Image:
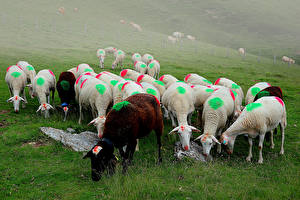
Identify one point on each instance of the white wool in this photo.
(119, 58)
(101, 56)
(136, 26)
(190, 37)
(151, 80)
(73, 70)
(153, 68)
(148, 86)
(131, 74)
(140, 67)
(241, 51)
(147, 58)
(136, 57)
(78, 84)
(107, 79)
(249, 96)
(117, 92)
(201, 93)
(288, 60)
(110, 50)
(83, 68)
(114, 76)
(178, 34)
(168, 80)
(28, 69)
(196, 79)
(130, 89)
(172, 39)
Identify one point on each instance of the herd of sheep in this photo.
(128, 106)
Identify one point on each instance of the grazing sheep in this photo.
(257, 119)
(192, 38)
(140, 115)
(79, 83)
(107, 79)
(65, 89)
(136, 26)
(178, 99)
(43, 84)
(158, 84)
(269, 91)
(136, 57)
(151, 89)
(178, 35)
(140, 67)
(288, 60)
(30, 73)
(253, 90)
(110, 50)
(129, 74)
(195, 79)
(97, 95)
(130, 88)
(168, 80)
(218, 107)
(241, 51)
(83, 68)
(61, 10)
(172, 39)
(122, 21)
(16, 81)
(153, 68)
(75, 9)
(101, 56)
(119, 57)
(114, 76)
(147, 58)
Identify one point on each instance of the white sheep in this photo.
(172, 39)
(140, 67)
(79, 83)
(129, 74)
(195, 79)
(110, 50)
(107, 79)
(83, 68)
(242, 51)
(288, 60)
(136, 26)
(114, 76)
(130, 88)
(192, 38)
(119, 57)
(136, 57)
(97, 95)
(44, 83)
(158, 84)
(178, 99)
(30, 74)
(168, 80)
(101, 56)
(253, 90)
(16, 81)
(153, 68)
(147, 58)
(151, 89)
(73, 70)
(217, 109)
(178, 35)
(122, 21)
(258, 118)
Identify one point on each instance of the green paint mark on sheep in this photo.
(234, 92)
(181, 90)
(209, 90)
(120, 86)
(40, 81)
(180, 82)
(100, 88)
(137, 92)
(119, 106)
(16, 74)
(255, 90)
(114, 82)
(235, 86)
(151, 91)
(65, 85)
(216, 103)
(263, 94)
(88, 70)
(29, 68)
(120, 52)
(151, 65)
(101, 52)
(253, 106)
(159, 83)
(207, 81)
(137, 55)
(143, 65)
(150, 57)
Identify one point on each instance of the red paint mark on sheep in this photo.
(44, 105)
(78, 79)
(182, 128)
(140, 78)
(20, 67)
(124, 85)
(232, 95)
(186, 148)
(83, 83)
(192, 86)
(157, 100)
(279, 100)
(77, 68)
(139, 84)
(51, 73)
(98, 75)
(162, 78)
(88, 73)
(123, 72)
(187, 77)
(16, 98)
(269, 84)
(208, 86)
(8, 68)
(217, 81)
(135, 63)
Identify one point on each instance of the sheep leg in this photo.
(260, 147)
(127, 159)
(53, 92)
(282, 139)
(80, 114)
(271, 139)
(250, 149)
(24, 96)
(48, 99)
(137, 145)
(158, 138)
(190, 118)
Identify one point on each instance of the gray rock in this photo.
(194, 152)
(78, 142)
(70, 130)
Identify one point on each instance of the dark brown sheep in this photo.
(269, 91)
(128, 121)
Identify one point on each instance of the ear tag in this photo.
(97, 149)
(224, 142)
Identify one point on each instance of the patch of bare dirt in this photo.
(4, 111)
(35, 144)
(3, 123)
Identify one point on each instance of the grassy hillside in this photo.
(32, 166)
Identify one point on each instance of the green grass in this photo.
(52, 171)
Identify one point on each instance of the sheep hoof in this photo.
(260, 161)
(248, 159)
(281, 152)
(272, 146)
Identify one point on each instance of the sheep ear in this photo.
(22, 99)
(29, 85)
(174, 130)
(194, 129)
(92, 122)
(198, 138)
(10, 99)
(215, 139)
(39, 108)
(51, 107)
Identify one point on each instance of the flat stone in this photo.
(70, 130)
(194, 152)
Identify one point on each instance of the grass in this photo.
(51, 171)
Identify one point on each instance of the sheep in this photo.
(79, 83)
(192, 38)
(136, 57)
(136, 26)
(30, 74)
(151, 89)
(178, 99)
(217, 109)
(61, 10)
(158, 84)
(288, 60)
(65, 89)
(107, 79)
(195, 79)
(130, 88)
(114, 76)
(122, 21)
(257, 119)
(82, 68)
(129, 74)
(117, 92)
(253, 90)
(147, 58)
(172, 39)
(269, 91)
(43, 84)
(75, 9)
(178, 35)
(234, 87)
(140, 115)
(153, 68)
(97, 95)
(168, 80)
(101, 55)
(73, 70)
(16, 81)
(119, 57)
(242, 51)
(110, 50)
(140, 67)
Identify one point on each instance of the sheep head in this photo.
(207, 142)
(45, 107)
(228, 141)
(184, 132)
(99, 123)
(16, 101)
